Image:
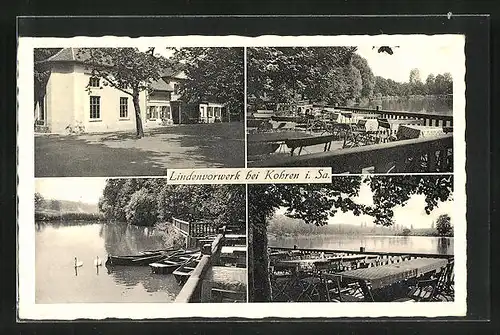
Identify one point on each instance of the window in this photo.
(176, 88)
(123, 107)
(94, 82)
(202, 111)
(165, 113)
(217, 112)
(152, 113)
(210, 111)
(95, 107)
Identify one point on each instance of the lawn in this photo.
(121, 154)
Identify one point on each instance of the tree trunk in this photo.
(260, 268)
(138, 120)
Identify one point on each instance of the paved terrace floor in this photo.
(121, 154)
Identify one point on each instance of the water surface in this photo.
(57, 281)
(410, 244)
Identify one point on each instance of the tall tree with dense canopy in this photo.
(126, 69)
(41, 75)
(213, 75)
(291, 74)
(314, 204)
(443, 225)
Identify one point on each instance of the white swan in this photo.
(78, 263)
(97, 261)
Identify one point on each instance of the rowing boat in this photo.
(141, 259)
(183, 272)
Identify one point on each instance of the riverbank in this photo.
(49, 216)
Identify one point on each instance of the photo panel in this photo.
(379, 239)
(372, 107)
(143, 108)
(138, 240)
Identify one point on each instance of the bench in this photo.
(309, 141)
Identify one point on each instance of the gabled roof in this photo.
(69, 55)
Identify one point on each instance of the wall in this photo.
(60, 98)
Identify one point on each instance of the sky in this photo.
(87, 190)
(431, 58)
(412, 213)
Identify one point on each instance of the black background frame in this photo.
(476, 30)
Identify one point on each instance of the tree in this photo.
(291, 74)
(443, 225)
(126, 69)
(406, 231)
(40, 75)
(141, 209)
(316, 203)
(39, 201)
(415, 76)
(430, 84)
(213, 74)
(368, 79)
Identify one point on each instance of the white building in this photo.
(76, 100)
(211, 112)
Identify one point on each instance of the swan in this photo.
(78, 263)
(97, 261)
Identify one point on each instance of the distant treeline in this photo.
(442, 84)
(44, 215)
(65, 210)
(281, 225)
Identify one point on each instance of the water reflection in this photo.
(56, 244)
(416, 244)
(429, 104)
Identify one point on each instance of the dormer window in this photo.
(176, 88)
(94, 82)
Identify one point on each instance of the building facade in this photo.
(75, 101)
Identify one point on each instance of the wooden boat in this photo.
(141, 259)
(183, 272)
(168, 265)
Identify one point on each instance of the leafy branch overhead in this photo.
(213, 75)
(315, 203)
(126, 69)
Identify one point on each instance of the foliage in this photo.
(443, 225)
(213, 75)
(45, 215)
(39, 201)
(406, 232)
(316, 203)
(40, 74)
(220, 204)
(441, 84)
(126, 69)
(327, 74)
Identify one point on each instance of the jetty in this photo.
(221, 273)
(326, 275)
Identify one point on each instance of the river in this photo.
(57, 281)
(415, 244)
(425, 104)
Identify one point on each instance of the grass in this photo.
(121, 154)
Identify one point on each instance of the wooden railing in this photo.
(182, 225)
(428, 119)
(191, 291)
(399, 156)
(382, 254)
(194, 229)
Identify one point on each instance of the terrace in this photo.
(352, 140)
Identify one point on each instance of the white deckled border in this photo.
(27, 309)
